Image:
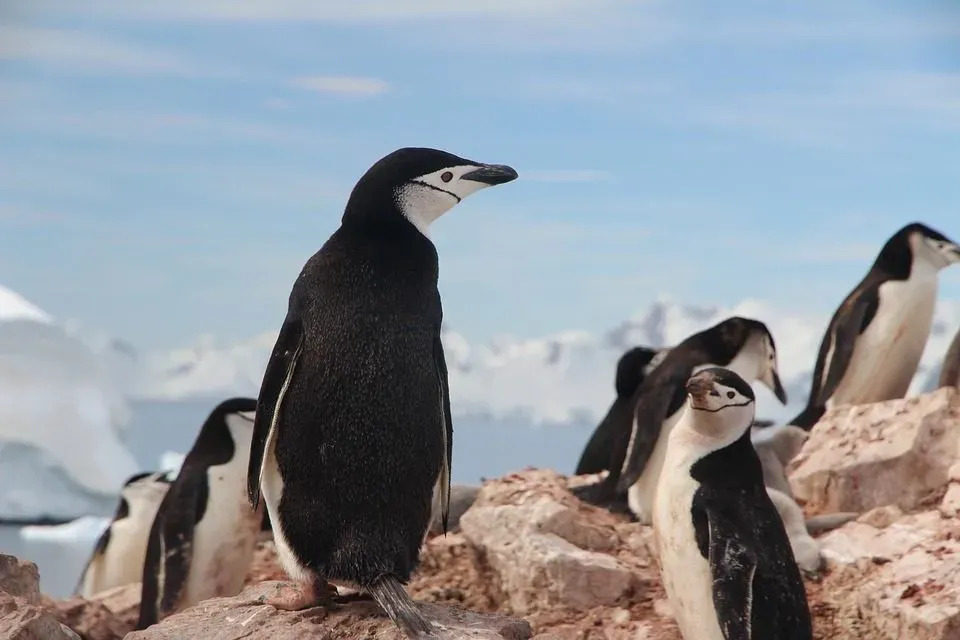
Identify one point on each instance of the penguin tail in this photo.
(396, 602)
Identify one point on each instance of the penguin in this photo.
(875, 339)
(776, 447)
(202, 539)
(726, 561)
(950, 367)
(117, 558)
(353, 434)
(741, 344)
(632, 368)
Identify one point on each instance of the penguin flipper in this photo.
(660, 396)
(733, 565)
(276, 382)
(166, 568)
(852, 317)
(98, 549)
(447, 428)
(596, 455)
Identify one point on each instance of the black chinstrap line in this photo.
(726, 406)
(430, 186)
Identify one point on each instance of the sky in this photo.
(167, 166)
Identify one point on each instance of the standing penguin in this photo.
(950, 367)
(353, 430)
(202, 539)
(632, 368)
(876, 337)
(117, 558)
(740, 344)
(727, 564)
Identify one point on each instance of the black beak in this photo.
(491, 174)
(778, 389)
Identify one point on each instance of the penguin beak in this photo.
(698, 387)
(954, 254)
(491, 174)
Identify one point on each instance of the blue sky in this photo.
(168, 165)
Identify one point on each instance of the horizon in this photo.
(173, 165)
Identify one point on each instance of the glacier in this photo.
(564, 378)
(61, 420)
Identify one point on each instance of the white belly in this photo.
(886, 355)
(224, 540)
(122, 562)
(686, 573)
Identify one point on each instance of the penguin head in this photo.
(931, 246)
(420, 185)
(141, 486)
(747, 346)
(721, 403)
(769, 373)
(635, 365)
(229, 423)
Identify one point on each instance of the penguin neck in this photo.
(735, 465)
(746, 363)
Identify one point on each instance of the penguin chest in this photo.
(224, 539)
(641, 494)
(686, 573)
(887, 353)
(122, 562)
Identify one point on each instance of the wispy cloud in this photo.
(82, 51)
(355, 86)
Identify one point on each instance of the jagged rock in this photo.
(897, 452)
(545, 554)
(900, 581)
(241, 617)
(109, 615)
(22, 616)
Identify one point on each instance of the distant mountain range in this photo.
(566, 377)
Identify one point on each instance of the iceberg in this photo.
(61, 416)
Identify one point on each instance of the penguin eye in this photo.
(446, 176)
(730, 394)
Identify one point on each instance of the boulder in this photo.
(22, 615)
(109, 615)
(461, 498)
(898, 452)
(242, 617)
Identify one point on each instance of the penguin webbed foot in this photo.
(295, 596)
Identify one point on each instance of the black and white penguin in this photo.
(632, 368)
(876, 337)
(727, 564)
(202, 540)
(118, 555)
(743, 345)
(353, 431)
(950, 367)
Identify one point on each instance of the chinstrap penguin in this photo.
(632, 368)
(741, 344)
(353, 432)
(203, 536)
(117, 558)
(727, 563)
(875, 339)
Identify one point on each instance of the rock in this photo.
(461, 498)
(109, 615)
(22, 616)
(897, 452)
(881, 517)
(241, 617)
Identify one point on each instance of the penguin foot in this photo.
(294, 596)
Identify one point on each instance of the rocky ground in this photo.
(532, 561)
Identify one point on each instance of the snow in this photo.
(82, 531)
(557, 379)
(60, 419)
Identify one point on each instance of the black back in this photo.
(630, 374)
(894, 262)
(732, 504)
(183, 506)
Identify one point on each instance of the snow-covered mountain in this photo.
(561, 378)
(61, 415)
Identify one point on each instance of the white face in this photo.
(769, 370)
(721, 413)
(935, 253)
(241, 426)
(425, 198)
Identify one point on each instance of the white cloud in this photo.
(78, 50)
(343, 85)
